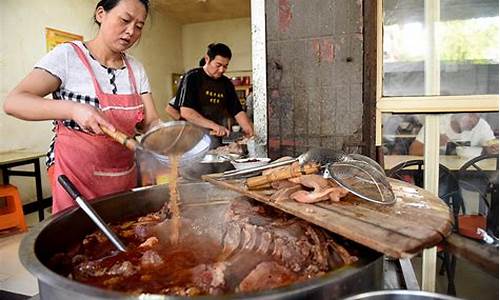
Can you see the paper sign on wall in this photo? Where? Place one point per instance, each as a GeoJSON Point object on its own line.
{"type": "Point", "coordinates": [55, 37]}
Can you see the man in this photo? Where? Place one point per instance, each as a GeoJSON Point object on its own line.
{"type": "Point", "coordinates": [468, 127]}
{"type": "Point", "coordinates": [207, 97]}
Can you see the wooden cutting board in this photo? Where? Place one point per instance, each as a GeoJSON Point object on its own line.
{"type": "Point", "coordinates": [416, 221]}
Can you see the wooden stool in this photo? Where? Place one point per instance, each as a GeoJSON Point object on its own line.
{"type": "Point", "coordinates": [11, 215]}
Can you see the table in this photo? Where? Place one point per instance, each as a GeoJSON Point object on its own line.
{"type": "Point", "coordinates": [20, 157]}
{"type": "Point", "coordinates": [452, 162]}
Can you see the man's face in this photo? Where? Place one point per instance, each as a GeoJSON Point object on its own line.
{"type": "Point", "coordinates": [216, 67]}
{"type": "Point", "coordinates": [469, 121]}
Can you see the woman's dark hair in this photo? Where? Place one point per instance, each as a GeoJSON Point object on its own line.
{"type": "Point", "coordinates": [108, 5]}
{"type": "Point", "coordinates": [201, 63]}
{"type": "Point", "coordinates": [218, 49]}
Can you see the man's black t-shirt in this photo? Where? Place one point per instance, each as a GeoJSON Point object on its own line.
{"type": "Point", "coordinates": [214, 99]}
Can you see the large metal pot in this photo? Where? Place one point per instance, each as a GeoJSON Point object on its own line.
{"type": "Point", "coordinates": [401, 295]}
{"type": "Point", "coordinates": [199, 199]}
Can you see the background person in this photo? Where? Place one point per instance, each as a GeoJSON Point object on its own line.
{"type": "Point", "coordinates": [207, 97]}
{"type": "Point", "coordinates": [93, 84]}
{"type": "Point", "coordinates": [464, 127]}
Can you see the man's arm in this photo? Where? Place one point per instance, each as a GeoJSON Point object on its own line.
{"type": "Point", "coordinates": [245, 123]}
{"type": "Point", "coordinates": [172, 112]}
{"type": "Point", "coordinates": [196, 118]}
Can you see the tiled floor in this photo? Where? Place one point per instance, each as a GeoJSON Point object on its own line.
{"type": "Point", "coordinates": [471, 282]}
{"type": "Point", "coordinates": [13, 276]}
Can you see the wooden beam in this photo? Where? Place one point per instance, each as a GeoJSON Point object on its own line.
{"type": "Point", "coordinates": [369, 76]}
{"type": "Point", "coordinates": [482, 256]}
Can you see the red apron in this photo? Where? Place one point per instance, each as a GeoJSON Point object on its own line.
{"type": "Point", "coordinates": [96, 164]}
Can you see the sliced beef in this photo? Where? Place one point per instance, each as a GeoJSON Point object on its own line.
{"type": "Point", "coordinates": [285, 193]}
{"type": "Point", "coordinates": [323, 189]}
{"type": "Point", "coordinates": [267, 275]}
{"type": "Point", "coordinates": [125, 268]}
{"type": "Point", "coordinates": [151, 258]}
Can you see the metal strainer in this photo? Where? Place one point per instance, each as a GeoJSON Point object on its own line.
{"type": "Point", "coordinates": [176, 138]}
{"type": "Point", "coordinates": [362, 177]}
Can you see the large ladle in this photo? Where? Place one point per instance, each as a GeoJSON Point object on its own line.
{"type": "Point", "coordinates": [84, 205]}
{"type": "Point", "coordinates": [166, 139]}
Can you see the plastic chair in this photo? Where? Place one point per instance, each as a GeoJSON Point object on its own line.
{"type": "Point", "coordinates": [449, 193]}
{"type": "Point", "coordinates": [11, 215]}
{"type": "Point", "coordinates": [472, 177]}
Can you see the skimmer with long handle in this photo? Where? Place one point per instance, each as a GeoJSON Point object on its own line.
{"type": "Point", "coordinates": [84, 205]}
{"type": "Point", "coordinates": [176, 138]}
{"type": "Point", "coordinates": [363, 177]}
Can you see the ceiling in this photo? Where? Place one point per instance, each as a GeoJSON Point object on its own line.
{"type": "Point", "coordinates": [196, 11]}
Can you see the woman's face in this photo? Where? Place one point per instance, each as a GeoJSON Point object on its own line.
{"type": "Point", "coordinates": [122, 26]}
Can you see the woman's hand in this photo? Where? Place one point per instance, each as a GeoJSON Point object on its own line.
{"type": "Point", "coordinates": [89, 118]}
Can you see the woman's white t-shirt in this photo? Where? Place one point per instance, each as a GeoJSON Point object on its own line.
{"type": "Point", "coordinates": [76, 82]}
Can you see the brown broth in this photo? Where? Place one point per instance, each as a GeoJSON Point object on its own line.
{"type": "Point", "coordinates": [174, 198]}
{"type": "Point", "coordinates": [174, 273]}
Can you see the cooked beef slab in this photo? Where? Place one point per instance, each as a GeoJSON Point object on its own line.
{"type": "Point", "coordinates": [258, 248]}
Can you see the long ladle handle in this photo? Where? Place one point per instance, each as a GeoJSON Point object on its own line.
{"type": "Point", "coordinates": [122, 138]}
{"type": "Point", "coordinates": [84, 205]}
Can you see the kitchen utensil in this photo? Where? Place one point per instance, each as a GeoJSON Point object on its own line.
{"type": "Point", "coordinates": [176, 138]}
{"type": "Point", "coordinates": [123, 139]}
{"type": "Point", "coordinates": [294, 170]}
{"type": "Point", "coordinates": [228, 157]}
{"type": "Point", "coordinates": [167, 139]}
{"type": "Point", "coordinates": [362, 179]}
{"type": "Point", "coordinates": [244, 163]}
{"type": "Point", "coordinates": [318, 155]}
{"type": "Point", "coordinates": [367, 160]}
{"type": "Point", "coordinates": [84, 205]}
{"type": "Point", "coordinates": [233, 137]}
{"type": "Point", "coordinates": [204, 203]}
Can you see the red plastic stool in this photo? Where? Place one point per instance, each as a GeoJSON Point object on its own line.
{"type": "Point", "coordinates": [11, 215]}
{"type": "Point", "coordinates": [468, 225]}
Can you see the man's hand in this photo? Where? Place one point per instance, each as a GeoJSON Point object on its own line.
{"type": "Point", "coordinates": [491, 147]}
{"type": "Point", "coordinates": [219, 130]}
{"type": "Point", "coordinates": [443, 139]}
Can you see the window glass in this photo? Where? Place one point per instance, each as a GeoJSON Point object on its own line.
{"type": "Point", "coordinates": [399, 131]}
{"type": "Point", "coordinates": [468, 173]}
{"type": "Point", "coordinates": [465, 48]}
{"type": "Point", "coordinates": [468, 176]}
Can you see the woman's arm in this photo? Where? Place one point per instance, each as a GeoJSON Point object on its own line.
{"type": "Point", "coordinates": [26, 102]}
{"type": "Point", "coordinates": [150, 114]}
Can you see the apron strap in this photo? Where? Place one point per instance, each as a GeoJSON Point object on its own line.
{"type": "Point", "coordinates": [131, 76]}
{"type": "Point", "coordinates": [86, 63]}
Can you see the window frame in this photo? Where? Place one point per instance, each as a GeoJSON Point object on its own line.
{"type": "Point", "coordinates": [431, 106]}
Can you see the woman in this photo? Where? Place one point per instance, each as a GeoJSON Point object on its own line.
{"type": "Point", "coordinates": [93, 84]}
